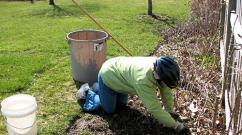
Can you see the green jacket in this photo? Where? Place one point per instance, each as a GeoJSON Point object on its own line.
{"type": "Point", "coordinates": [134, 75]}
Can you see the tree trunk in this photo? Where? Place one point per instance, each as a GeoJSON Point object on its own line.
{"type": "Point", "coordinates": [32, 1]}
{"type": "Point", "coordinates": [150, 8]}
{"type": "Point", "coordinates": [52, 2]}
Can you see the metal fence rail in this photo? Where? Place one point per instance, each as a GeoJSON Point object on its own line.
{"type": "Point", "coordinates": [233, 93]}
{"type": "Point", "coordinates": [231, 63]}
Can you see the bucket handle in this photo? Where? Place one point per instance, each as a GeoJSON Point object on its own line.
{"type": "Point", "coordinates": [18, 127]}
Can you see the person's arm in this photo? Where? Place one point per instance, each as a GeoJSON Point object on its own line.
{"type": "Point", "coordinates": [167, 97]}
{"type": "Point", "coordinates": [151, 102]}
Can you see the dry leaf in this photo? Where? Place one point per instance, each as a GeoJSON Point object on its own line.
{"type": "Point", "coordinates": [193, 106]}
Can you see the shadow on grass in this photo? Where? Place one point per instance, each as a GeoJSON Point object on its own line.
{"type": "Point", "coordinates": [65, 10]}
{"type": "Point", "coordinates": [124, 121]}
{"type": "Point", "coordinates": [161, 18]}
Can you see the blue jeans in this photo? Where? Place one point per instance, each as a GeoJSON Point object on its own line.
{"type": "Point", "coordinates": [110, 98]}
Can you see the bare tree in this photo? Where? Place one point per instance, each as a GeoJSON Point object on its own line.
{"type": "Point", "coordinates": [32, 1]}
{"type": "Point", "coordinates": [150, 8]}
{"type": "Point", "coordinates": [52, 2]}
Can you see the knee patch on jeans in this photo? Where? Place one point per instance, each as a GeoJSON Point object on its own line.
{"type": "Point", "coordinates": [92, 102]}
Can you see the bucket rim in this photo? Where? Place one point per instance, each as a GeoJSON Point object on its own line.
{"type": "Point", "coordinates": [87, 30]}
{"type": "Point", "coordinates": [20, 112]}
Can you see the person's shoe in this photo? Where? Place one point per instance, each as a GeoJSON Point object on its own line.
{"type": "Point", "coordinates": [82, 92]}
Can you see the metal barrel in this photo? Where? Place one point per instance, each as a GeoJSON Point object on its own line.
{"type": "Point", "coordinates": [88, 53]}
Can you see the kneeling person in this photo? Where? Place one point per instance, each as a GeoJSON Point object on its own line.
{"type": "Point", "coordinates": [140, 76]}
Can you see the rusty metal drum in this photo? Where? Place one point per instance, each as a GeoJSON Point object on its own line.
{"type": "Point", "coordinates": [88, 53]}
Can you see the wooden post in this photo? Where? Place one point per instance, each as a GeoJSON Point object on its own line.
{"type": "Point", "coordinates": [227, 40]}
{"type": "Point", "coordinates": [222, 18]}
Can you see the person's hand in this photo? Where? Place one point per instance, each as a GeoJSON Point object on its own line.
{"type": "Point", "coordinates": [175, 116]}
{"type": "Point", "coordinates": [181, 128]}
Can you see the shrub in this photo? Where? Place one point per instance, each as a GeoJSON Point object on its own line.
{"type": "Point", "coordinates": [206, 14]}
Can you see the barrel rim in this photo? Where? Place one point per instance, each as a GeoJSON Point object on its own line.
{"type": "Point", "coordinates": [87, 30]}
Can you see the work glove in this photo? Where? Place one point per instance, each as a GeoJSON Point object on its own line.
{"type": "Point", "coordinates": [92, 102]}
{"type": "Point", "coordinates": [180, 128]}
{"type": "Point", "coordinates": [176, 116]}
{"type": "Point", "coordinates": [82, 92]}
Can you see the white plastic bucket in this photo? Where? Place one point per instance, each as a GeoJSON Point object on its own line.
{"type": "Point", "coordinates": [19, 112]}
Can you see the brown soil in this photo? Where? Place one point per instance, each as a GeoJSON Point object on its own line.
{"type": "Point", "coordinates": [133, 120]}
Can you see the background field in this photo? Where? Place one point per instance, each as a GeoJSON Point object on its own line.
{"type": "Point", "coordinates": [34, 56]}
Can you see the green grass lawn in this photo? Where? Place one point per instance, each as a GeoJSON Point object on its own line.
{"type": "Point", "coordinates": [34, 56]}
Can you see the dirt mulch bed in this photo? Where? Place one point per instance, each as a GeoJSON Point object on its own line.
{"type": "Point", "coordinates": [133, 119]}
{"type": "Point", "coordinates": [198, 56]}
